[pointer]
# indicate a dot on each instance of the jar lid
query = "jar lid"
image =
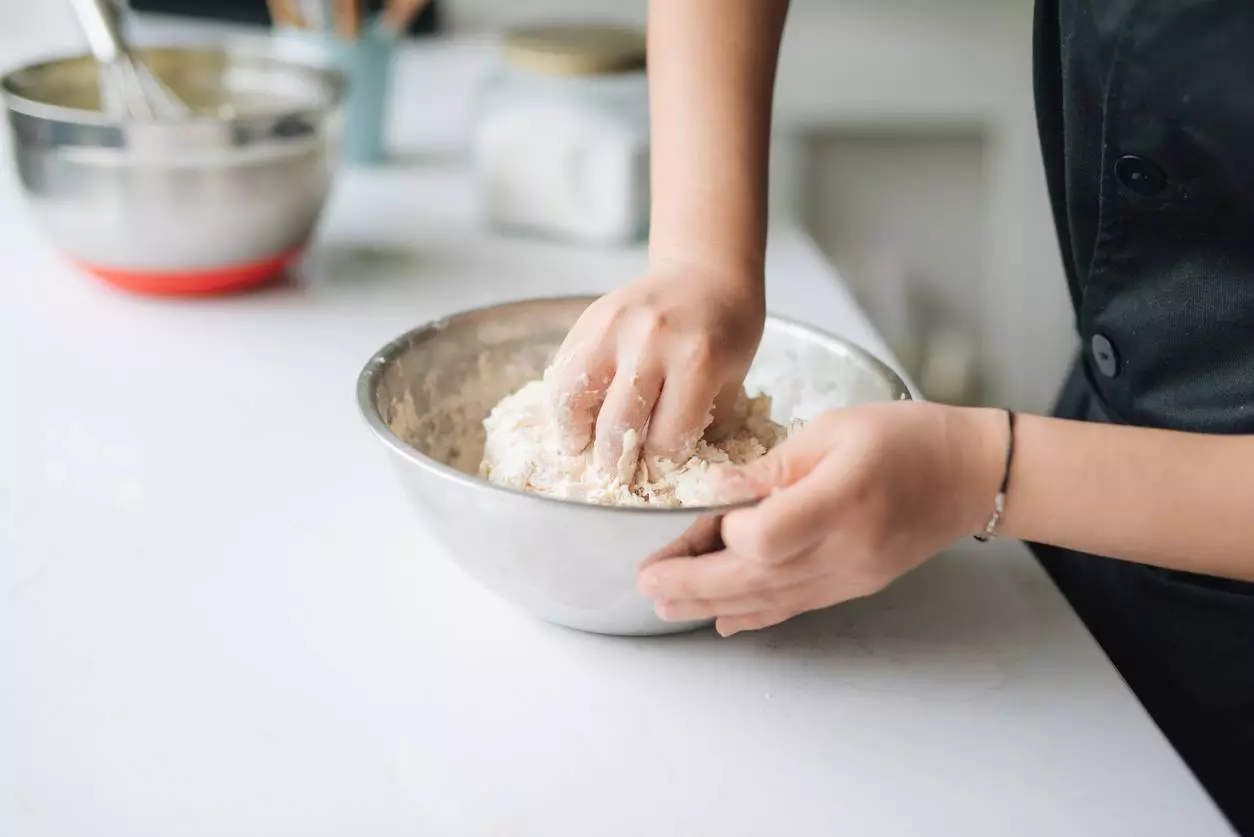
(575, 49)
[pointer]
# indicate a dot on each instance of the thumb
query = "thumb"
(782, 466)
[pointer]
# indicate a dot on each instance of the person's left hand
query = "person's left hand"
(853, 500)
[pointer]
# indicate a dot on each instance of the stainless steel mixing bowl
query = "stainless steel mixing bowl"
(426, 393)
(224, 198)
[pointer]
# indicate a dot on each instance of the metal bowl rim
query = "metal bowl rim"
(334, 78)
(368, 378)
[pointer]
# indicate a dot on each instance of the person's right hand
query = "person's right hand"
(664, 355)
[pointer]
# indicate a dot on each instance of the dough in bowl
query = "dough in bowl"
(522, 451)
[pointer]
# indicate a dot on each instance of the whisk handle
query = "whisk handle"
(100, 25)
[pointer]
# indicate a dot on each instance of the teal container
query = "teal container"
(367, 64)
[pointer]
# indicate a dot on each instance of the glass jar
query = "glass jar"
(561, 135)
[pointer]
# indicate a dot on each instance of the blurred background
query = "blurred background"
(904, 144)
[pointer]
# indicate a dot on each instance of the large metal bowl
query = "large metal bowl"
(426, 393)
(225, 199)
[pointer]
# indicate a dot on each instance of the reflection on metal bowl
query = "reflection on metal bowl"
(566, 562)
(220, 201)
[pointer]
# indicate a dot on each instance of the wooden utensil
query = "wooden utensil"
(276, 9)
(346, 18)
(398, 14)
(285, 13)
(317, 14)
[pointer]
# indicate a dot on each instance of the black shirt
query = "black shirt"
(1146, 114)
(1146, 117)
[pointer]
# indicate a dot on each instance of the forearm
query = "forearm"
(711, 75)
(1178, 500)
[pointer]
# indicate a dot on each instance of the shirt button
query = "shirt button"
(1140, 176)
(1105, 356)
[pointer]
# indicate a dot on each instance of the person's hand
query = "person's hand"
(664, 355)
(853, 500)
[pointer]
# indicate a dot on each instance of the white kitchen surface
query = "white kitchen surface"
(218, 616)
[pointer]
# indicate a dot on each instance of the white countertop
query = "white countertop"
(218, 616)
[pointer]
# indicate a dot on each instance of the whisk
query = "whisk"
(127, 86)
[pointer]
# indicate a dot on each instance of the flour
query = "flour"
(522, 451)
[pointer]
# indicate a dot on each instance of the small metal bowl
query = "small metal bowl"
(220, 201)
(426, 394)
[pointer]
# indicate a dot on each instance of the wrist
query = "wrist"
(981, 436)
(742, 269)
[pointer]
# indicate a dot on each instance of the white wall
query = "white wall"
(903, 215)
(930, 66)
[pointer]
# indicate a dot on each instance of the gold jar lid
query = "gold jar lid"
(589, 49)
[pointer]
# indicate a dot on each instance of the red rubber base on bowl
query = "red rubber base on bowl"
(219, 280)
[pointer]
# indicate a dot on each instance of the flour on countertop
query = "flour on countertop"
(522, 451)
